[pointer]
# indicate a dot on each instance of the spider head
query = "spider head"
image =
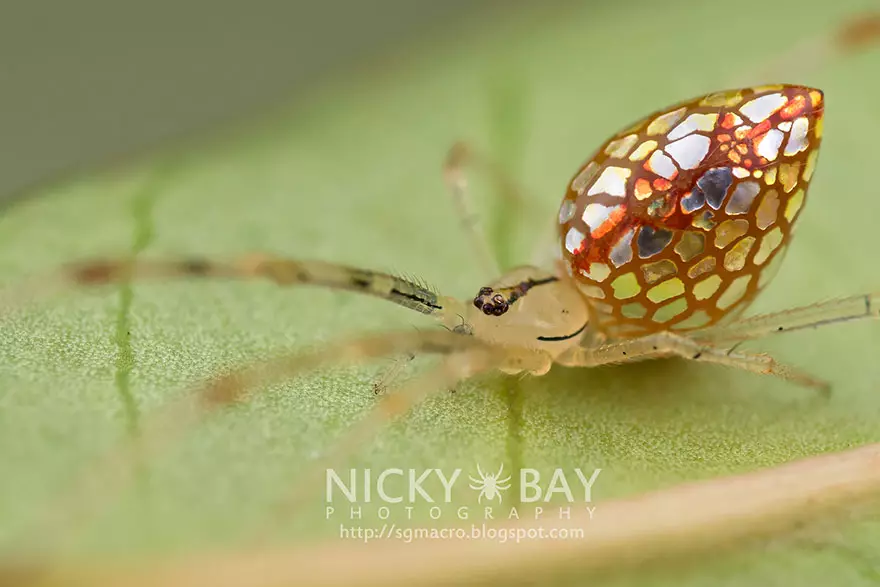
(529, 307)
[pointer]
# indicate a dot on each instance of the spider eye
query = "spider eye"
(495, 305)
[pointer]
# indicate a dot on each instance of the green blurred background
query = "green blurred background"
(90, 80)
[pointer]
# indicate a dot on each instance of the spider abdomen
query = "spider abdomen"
(678, 221)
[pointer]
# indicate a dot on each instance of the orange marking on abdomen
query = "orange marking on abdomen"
(760, 129)
(794, 107)
(613, 220)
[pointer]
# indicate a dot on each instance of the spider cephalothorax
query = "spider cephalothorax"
(532, 308)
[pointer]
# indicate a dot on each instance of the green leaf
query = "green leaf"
(351, 174)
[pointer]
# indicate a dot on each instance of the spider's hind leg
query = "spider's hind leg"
(848, 309)
(852, 36)
(667, 344)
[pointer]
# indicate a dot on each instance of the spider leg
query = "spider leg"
(390, 374)
(460, 157)
(813, 316)
(855, 34)
(286, 272)
(231, 387)
(466, 356)
(666, 344)
(282, 271)
(456, 367)
(457, 184)
(859, 32)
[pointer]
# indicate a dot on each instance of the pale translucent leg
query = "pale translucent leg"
(667, 344)
(459, 158)
(850, 37)
(454, 369)
(285, 272)
(390, 375)
(466, 357)
(101, 484)
(813, 316)
(232, 386)
(809, 55)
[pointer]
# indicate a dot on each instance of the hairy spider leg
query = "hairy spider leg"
(463, 156)
(855, 35)
(467, 357)
(286, 272)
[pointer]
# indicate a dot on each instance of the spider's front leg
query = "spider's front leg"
(668, 344)
(460, 158)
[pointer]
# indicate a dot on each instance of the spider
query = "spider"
(667, 233)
